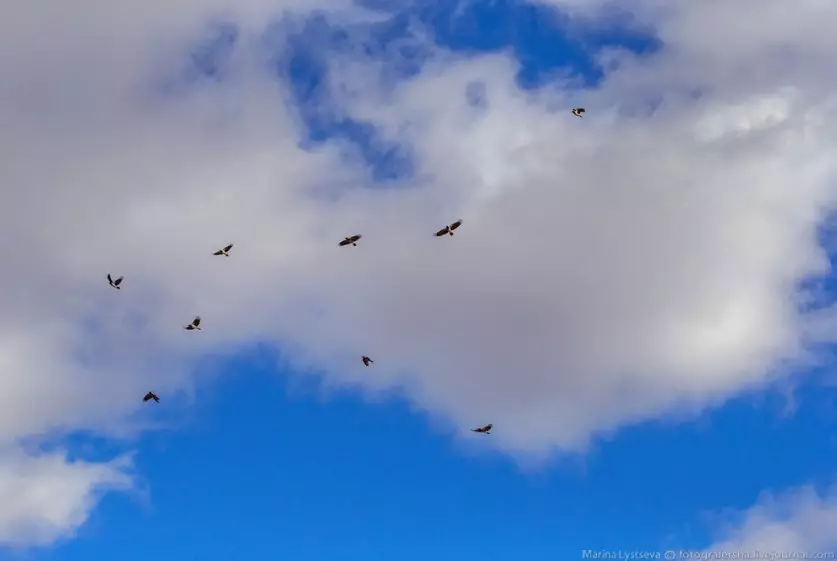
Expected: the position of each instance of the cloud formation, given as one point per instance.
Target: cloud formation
(801, 520)
(45, 498)
(97, 151)
(643, 260)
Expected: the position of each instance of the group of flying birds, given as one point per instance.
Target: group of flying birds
(349, 240)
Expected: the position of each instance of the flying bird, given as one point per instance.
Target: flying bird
(150, 396)
(194, 325)
(225, 252)
(115, 283)
(449, 229)
(485, 430)
(350, 240)
(578, 111)
(366, 360)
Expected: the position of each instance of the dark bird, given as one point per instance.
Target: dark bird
(485, 430)
(350, 240)
(225, 252)
(150, 396)
(366, 360)
(578, 111)
(449, 229)
(115, 283)
(194, 325)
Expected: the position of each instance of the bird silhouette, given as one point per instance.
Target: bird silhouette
(115, 283)
(350, 240)
(449, 229)
(225, 251)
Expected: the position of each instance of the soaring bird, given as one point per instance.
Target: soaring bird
(486, 429)
(115, 283)
(350, 240)
(194, 325)
(449, 229)
(366, 360)
(151, 395)
(578, 111)
(225, 252)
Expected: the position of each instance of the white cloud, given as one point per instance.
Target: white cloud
(45, 497)
(633, 264)
(609, 269)
(798, 521)
(95, 168)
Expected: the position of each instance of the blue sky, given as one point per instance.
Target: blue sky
(263, 467)
(261, 472)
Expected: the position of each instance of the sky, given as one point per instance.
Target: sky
(642, 301)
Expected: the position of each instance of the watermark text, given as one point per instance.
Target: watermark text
(682, 554)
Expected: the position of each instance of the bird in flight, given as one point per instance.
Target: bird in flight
(115, 283)
(578, 111)
(350, 240)
(449, 229)
(485, 430)
(366, 360)
(149, 396)
(194, 325)
(225, 252)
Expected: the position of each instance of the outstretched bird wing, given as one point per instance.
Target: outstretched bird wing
(443, 231)
(118, 281)
(219, 252)
(229, 247)
(456, 224)
(197, 321)
(350, 239)
(110, 280)
(148, 396)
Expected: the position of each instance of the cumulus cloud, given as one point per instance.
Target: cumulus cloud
(98, 149)
(640, 261)
(637, 262)
(45, 497)
(796, 521)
